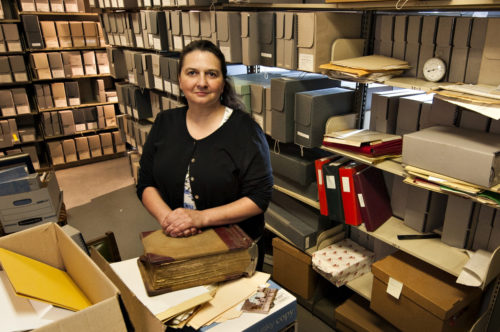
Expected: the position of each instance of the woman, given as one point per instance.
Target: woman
(206, 164)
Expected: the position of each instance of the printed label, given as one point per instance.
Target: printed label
(320, 177)
(345, 184)
(168, 86)
(306, 62)
(178, 45)
(361, 200)
(139, 42)
(330, 182)
(158, 83)
(266, 55)
(394, 288)
(301, 134)
(175, 90)
(157, 43)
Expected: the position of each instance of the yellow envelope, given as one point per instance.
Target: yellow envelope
(33, 279)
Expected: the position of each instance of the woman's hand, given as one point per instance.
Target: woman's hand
(183, 222)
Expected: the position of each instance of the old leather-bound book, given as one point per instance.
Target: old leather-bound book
(216, 254)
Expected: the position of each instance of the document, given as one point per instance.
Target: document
(33, 279)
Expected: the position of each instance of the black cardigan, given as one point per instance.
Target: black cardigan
(231, 163)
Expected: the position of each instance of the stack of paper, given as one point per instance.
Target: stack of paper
(365, 142)
(371, 68)
(480, 98)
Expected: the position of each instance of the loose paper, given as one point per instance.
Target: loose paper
(394, 288)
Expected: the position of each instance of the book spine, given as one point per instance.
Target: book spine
(234, 237)
(323, 205)
(351, 209)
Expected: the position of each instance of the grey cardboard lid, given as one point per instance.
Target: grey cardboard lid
(176, 21)
(266, 21)
(462, 31)
(223, 24)
(306, 23)
(467, 155)
(186, 29)
(445, 30)
(206, 24)
(280, 25)
(194, 23)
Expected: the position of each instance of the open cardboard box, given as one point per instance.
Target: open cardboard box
(49, 244)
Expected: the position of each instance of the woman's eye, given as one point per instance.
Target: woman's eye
(212, 74)
(191, 72)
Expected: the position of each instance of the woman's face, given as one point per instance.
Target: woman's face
(201, 78)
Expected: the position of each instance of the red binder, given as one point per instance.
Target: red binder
(373, 199)
(318, 163)
(352, 213)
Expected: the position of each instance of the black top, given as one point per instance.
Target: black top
(231, 163)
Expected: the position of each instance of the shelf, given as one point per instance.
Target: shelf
(13, 53)
(374, 5)
(18, 115)
(5, 84)
(392, 165)
(432, 251)
(10, 20)
(362, 285)
(82, 133)
(55, 49)
(76, 106)
(89, 161)
(71, 78)
(60, 14)
(303, 199)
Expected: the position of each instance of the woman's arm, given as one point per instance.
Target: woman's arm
(155, 205)
(181, 221)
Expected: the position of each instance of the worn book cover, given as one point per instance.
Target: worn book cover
(216, 254)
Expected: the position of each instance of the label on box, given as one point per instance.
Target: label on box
(80, 127)
(301, 134)
(135, 113)
(131, 78)
(227, 52)
(187, 40)
(139, 42)
(178, 46)
(121, 4)
(114, 3)
(167, 86)
(320, 177)
(150, 40)
(158, 83)
(361, 200)
(306, 62)
(345, 185)
(394, 288)
(330, 182)
(266, 55)
(157, 44)
(123, 40)
(22, 109)
(175, 89)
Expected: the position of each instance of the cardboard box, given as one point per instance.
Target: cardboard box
(89, 62)
(424, 210)
(56, 64)
(90, 33)
(430, 299)
(463, 154)
(56, 153)
(312, 110)
(489, 72)
(82, 148)
(95, 146)
(458, 226)
(5, 71)
(28, 209)
(355, 315)
(33, 31)
(106, 143)
(229, 35)
(42, 5)
(102, 62)
(286, 40)
(28, 6)
(56, 6)
(76, 64)
(409, 110)
(67, 122)
(443, 113)
(59, 94)
(460, 52)
(413, 34)
(7, 105)
(41, 65)
(77, 35)
(250, 38)
(177, 33)
(72, 93)
(49, 244)
(49, 34)
(118, 142)
(11, 37)
(473, 120)
(477, 43)
(69, 150)
(21, 101)
(56, 123)
(292, 268)
(494, 240)
(18, 67)
(316, 33)
(486, 217)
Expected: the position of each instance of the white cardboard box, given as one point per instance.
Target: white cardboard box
(49, 244)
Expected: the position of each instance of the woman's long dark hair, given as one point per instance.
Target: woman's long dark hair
(229, 97)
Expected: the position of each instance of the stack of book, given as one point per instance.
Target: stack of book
(215, 255)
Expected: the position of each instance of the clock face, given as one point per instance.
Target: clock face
(434, 69)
